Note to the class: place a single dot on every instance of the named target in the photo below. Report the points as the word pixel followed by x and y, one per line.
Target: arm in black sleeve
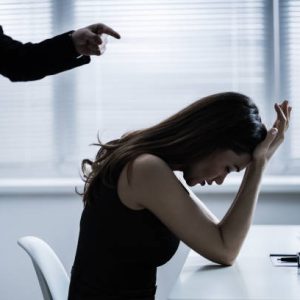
pixel 24 62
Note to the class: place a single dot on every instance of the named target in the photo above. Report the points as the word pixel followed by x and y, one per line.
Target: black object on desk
pixel 288 259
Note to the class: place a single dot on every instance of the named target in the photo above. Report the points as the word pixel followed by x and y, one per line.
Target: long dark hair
pixel 217 122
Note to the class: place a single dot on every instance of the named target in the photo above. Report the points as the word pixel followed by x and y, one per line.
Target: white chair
pixel 52 276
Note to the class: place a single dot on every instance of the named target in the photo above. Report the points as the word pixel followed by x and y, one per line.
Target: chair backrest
pixel 52 276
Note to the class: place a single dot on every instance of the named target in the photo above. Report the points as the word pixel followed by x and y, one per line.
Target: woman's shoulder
pixel 144 170
pixel 141 175
pixel 148 162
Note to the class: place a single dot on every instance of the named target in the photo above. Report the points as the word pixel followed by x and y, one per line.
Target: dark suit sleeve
pixel 24 62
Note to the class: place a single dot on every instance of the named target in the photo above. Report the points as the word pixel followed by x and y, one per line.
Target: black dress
pixel 118 250
pixel 32 61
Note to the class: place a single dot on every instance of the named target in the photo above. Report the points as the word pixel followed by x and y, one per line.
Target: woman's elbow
pixel 221 258
pixel 225 260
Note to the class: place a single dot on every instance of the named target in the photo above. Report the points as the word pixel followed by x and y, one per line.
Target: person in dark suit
pixel 33 61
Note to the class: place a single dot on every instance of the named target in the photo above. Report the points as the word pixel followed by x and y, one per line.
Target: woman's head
pixel 219 122
pixel 223 130
pixel 224 121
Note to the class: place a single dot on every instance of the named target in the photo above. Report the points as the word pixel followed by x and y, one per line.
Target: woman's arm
pixel 236 223
pixel 203 207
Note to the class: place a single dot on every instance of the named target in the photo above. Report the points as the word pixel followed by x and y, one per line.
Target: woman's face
pixel 215 167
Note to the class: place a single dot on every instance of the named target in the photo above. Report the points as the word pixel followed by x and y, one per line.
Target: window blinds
pixel 171 53
pixel 290 63
pixel 26 114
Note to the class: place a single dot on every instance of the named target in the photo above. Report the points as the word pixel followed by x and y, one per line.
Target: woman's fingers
pixel 289 112
pixel 281 119
pixel 280 114
pixel 281 123
pixel 275 135
pixel 264 150
pixel 283 116
pixel 271 135
pixel 286 108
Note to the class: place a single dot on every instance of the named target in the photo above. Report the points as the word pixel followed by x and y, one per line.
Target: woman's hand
pixel 275 136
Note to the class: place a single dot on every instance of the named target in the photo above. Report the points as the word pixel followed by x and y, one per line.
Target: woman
pixel 136 210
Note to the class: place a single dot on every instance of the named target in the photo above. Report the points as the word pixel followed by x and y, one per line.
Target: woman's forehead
pixel 229 156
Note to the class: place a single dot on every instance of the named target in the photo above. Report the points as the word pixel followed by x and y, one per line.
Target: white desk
pixel 252 276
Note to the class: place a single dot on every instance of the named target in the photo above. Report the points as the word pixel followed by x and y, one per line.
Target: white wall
pixel 55 218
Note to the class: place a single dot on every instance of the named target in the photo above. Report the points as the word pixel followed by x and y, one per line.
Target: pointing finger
pixel 102 28
pixel 111 32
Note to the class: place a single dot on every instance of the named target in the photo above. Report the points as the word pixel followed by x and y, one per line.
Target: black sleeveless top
pixel 118 250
